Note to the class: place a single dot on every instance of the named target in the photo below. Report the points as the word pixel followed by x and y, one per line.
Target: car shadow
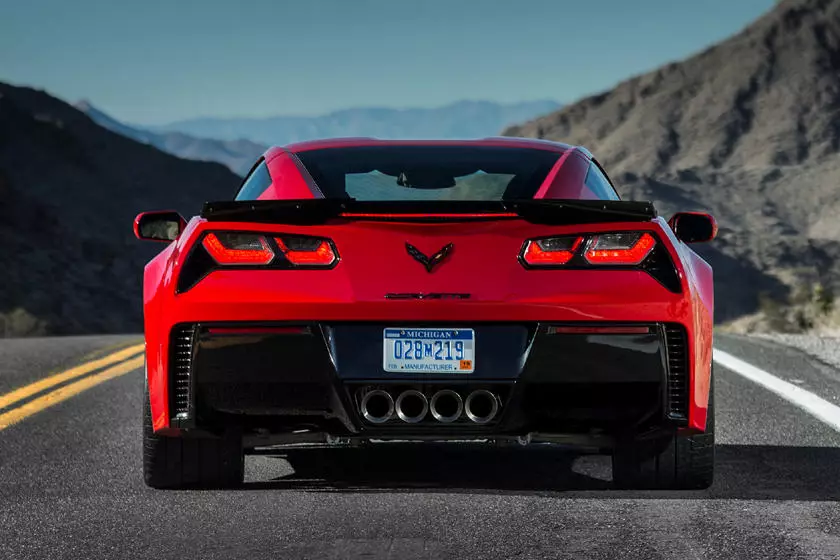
pixel 754 472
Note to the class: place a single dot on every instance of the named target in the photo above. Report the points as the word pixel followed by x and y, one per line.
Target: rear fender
pixel 698 281
pixel 158 285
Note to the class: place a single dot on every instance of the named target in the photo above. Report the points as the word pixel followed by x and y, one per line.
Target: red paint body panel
pixel 500 141
pixel 484 263
pixel 288 179
pixel 565 181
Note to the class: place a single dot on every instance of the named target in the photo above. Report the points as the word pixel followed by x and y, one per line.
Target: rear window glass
pixel 255 184
pixel 428 172
pixel 598 183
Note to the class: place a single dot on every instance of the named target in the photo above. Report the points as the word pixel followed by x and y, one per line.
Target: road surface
pixel 71 485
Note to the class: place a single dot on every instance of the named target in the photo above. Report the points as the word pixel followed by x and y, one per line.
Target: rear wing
pixel 320 210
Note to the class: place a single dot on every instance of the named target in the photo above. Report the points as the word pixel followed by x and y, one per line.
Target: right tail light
pixel 628 248
pixel 623 249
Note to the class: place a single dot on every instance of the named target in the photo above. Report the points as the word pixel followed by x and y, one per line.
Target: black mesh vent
pixel 180 369
pixel 677 351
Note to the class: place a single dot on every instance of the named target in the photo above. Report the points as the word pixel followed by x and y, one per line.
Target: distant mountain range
pixel 238 143
pixel 463 119
pixel 238 155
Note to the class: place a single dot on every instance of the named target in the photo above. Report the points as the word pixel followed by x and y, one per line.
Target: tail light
pixel 228 248
pixel 236 249
pixel 627 248
pixel 636 249
pixel 307 251
pixel 551 251
pixel 233 248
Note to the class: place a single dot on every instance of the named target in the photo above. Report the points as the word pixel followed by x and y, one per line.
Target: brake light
pixel 554 250
pixel 230 248
pixel 307 251
pixel 626 248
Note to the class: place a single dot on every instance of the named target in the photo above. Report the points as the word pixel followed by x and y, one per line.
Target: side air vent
pixel 180 370
pixel 677 355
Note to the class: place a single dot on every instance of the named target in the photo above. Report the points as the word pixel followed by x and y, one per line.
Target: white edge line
pixel 807 401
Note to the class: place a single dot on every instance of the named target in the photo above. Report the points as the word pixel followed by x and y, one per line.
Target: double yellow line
pixel 126 360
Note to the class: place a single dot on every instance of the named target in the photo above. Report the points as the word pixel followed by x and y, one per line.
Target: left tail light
pixel 307 251
pixel 251 249
pixel 234 249
pixel 229 248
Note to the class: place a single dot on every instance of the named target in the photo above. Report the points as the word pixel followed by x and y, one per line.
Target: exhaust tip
pixel 446 406
pixel 377 406
pixel 481 406
pixel 412 406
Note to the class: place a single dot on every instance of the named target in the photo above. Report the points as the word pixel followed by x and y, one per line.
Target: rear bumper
pixel 582 379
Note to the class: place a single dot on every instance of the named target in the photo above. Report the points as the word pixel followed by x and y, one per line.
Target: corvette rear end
pixel 367 291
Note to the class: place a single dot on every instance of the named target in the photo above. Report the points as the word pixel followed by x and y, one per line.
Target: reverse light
pixel 551 251
pixel 626 248
pixel 307 251
pixel 230 248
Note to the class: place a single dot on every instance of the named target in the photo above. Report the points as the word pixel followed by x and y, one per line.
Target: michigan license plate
pixel 429 350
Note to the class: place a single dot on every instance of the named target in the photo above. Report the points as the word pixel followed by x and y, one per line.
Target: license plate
pixel 428 350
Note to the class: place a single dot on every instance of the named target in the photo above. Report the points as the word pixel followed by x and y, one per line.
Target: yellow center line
pixel 67 391
pixel 28 390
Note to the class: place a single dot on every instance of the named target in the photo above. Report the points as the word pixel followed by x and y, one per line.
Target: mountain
pixel 69 191
pixel 748 129
pixel 237 154
pixel 463 119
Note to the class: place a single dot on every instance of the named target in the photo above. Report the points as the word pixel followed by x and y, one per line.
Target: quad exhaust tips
pixel 377 406
pixel 412 406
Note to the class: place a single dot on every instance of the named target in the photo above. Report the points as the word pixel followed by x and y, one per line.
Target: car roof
pixel 494 141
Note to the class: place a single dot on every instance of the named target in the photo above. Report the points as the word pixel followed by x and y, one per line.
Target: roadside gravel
pixel 824 346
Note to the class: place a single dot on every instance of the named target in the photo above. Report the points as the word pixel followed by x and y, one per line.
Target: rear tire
pixel 175 462
pixel 677 463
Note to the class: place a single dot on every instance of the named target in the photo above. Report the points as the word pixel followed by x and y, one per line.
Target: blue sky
pixel 155 61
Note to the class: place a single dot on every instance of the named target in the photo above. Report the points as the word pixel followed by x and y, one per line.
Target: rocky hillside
pixel 239 155
pixel 748 129
pixel 69 190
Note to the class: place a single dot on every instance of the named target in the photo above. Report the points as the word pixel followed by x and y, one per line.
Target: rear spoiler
pixel 319 210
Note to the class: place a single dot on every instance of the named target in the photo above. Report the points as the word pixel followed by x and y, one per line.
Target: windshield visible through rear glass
pixel 428 172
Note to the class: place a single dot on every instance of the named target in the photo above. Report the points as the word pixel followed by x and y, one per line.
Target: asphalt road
pixel 71 486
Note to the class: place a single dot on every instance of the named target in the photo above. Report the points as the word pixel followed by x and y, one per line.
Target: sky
pixel 157 61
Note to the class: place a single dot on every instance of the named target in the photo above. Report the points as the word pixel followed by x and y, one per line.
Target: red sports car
pixel 361 290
